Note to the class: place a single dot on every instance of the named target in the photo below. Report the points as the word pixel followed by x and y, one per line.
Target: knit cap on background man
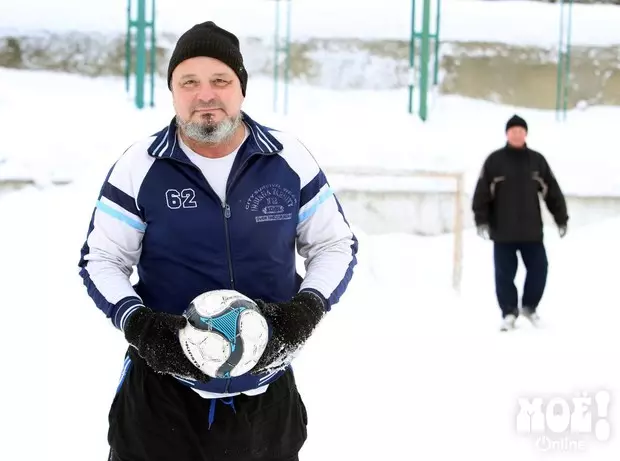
pixel 515 120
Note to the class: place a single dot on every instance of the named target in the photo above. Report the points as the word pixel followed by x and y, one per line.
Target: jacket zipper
pixel 226 212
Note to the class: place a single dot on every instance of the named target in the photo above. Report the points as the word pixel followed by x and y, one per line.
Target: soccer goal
pixel 422 202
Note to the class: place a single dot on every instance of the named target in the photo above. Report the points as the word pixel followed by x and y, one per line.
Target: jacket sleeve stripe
pixel 124 309
pixel 310 190
pixel 265 140
pixel 353 247
pixel 312 206
pixel 118 312
pixel 114 240
pixel 324 238
pixel 100 301
pixel 330 247
pixel 110 250
pixel 121 198
pixel 108 209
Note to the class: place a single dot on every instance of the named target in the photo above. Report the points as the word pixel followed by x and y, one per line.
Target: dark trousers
pixel 534 258
pixel 154 417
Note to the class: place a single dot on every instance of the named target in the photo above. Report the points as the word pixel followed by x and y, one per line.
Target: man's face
pixel 516 136
pixel 207 99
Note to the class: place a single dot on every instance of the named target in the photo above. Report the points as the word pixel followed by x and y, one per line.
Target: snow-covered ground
pixel 451 389
pixel 517 22
pixel 81 123
pixel 443 386
pixel 430 378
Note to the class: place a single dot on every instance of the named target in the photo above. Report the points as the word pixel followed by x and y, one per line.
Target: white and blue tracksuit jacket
pixel 156 211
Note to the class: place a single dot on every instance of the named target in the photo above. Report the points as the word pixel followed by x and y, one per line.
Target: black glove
pixel 155 336
pixel 291 325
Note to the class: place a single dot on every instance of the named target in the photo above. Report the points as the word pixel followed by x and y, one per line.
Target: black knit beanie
pixel 209 40
pixel 515 120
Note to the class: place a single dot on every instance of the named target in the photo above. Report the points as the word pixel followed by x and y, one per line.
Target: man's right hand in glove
pixel 156 337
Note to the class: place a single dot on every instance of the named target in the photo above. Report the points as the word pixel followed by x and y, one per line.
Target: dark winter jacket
pixel 507 195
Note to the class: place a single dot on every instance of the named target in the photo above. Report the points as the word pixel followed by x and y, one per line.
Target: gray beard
pixel 210 133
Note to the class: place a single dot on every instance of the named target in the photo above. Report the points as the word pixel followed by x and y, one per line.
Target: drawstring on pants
pixel 228 401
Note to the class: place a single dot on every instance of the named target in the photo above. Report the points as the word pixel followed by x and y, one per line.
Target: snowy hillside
pixel 334 125
pixel 330 50
pixel 516 22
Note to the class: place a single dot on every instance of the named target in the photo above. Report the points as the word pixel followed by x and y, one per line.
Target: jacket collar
pixel 518 149
pixel 260 141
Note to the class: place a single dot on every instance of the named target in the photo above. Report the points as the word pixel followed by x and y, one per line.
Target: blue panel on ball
pixel 226 324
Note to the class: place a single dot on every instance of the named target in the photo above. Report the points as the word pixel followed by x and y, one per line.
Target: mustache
pixel 211 104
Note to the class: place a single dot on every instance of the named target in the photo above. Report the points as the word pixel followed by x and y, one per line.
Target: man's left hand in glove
pixel 291 323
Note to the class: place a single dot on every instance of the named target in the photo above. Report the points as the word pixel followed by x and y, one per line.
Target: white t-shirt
pixel 217 170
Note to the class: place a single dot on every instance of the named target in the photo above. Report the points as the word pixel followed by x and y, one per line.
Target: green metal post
pixel 424 58
pixel 412 58
pixel 140 53
pixel 153 68
pixel 436 61
pixel 136 51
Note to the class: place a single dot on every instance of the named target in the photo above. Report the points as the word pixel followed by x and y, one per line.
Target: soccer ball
pixel 225 335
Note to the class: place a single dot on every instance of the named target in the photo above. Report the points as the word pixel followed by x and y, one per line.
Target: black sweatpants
pixel 535 260
pixel 153 417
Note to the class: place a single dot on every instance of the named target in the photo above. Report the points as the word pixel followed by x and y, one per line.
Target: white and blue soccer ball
pixel 225 335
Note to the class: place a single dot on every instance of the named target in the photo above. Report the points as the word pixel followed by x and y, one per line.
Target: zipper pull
pixel 226 210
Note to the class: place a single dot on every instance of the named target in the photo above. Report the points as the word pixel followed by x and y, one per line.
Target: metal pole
pixel 140 54
pixel 288 54
pixel 457 269
pixel 437 22
pixel 412 57
pixel 424 58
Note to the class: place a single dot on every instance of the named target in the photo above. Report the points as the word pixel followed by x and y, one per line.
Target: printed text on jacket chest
pixel 272 202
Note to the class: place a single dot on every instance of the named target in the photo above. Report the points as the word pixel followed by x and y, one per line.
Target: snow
pixel 515 22
pixel 403 367
pixel 444 385
pixel 343 129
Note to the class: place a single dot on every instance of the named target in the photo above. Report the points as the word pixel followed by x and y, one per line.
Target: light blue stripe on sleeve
pixel 107 209
pixel 308 212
